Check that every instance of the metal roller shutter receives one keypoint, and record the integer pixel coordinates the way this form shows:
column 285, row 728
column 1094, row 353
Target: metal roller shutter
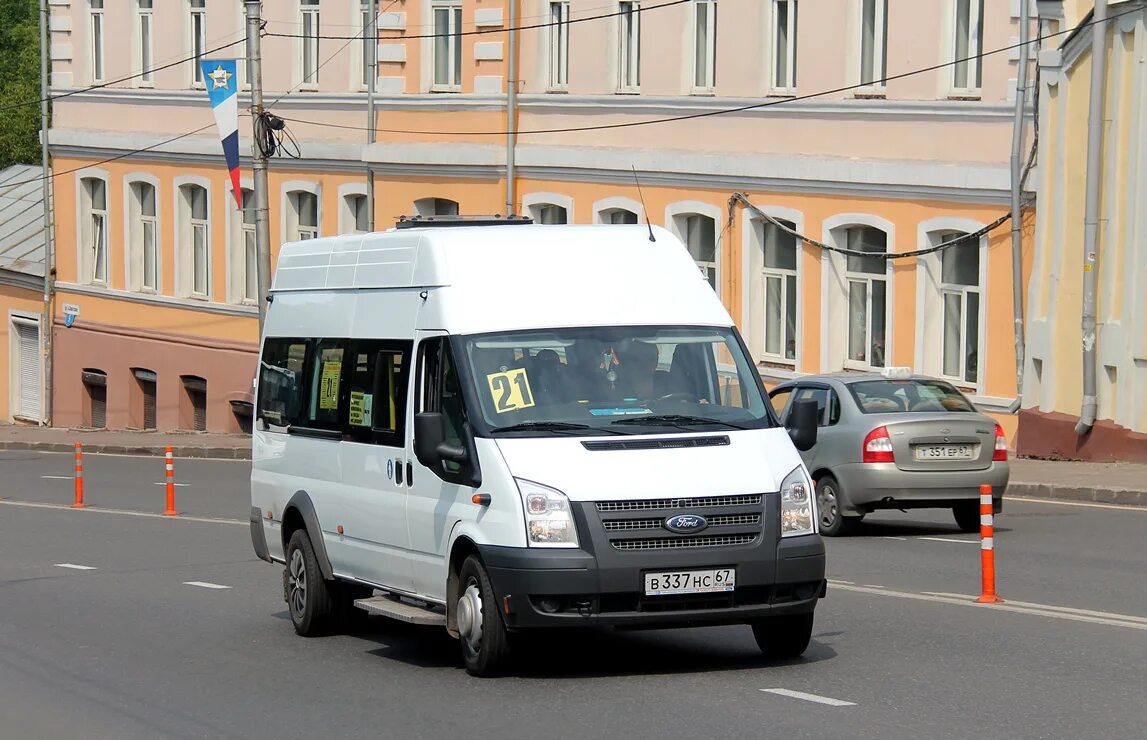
column 147, row 386
column 28, row 351
column 96, row 384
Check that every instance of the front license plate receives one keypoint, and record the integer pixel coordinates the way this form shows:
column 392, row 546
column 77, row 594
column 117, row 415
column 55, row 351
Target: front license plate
column 944, row 452
column 676, row 583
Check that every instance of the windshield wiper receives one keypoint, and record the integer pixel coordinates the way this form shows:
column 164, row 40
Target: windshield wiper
column 552, row 426
column 676, row 420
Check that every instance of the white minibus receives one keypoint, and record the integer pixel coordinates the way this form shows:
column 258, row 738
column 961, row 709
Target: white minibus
column 498, row 427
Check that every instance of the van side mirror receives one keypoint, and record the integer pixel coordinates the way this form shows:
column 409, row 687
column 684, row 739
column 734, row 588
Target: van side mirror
column 802, row 423
column 429, row 441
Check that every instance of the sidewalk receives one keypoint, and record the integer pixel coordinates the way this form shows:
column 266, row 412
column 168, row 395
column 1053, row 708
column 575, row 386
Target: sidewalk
column 1106, row 483
column 216, row 446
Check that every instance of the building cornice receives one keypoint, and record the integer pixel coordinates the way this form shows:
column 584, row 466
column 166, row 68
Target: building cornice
column 186, row 304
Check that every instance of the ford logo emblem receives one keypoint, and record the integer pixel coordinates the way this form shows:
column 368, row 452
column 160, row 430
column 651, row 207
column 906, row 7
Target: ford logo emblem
column 686, row 523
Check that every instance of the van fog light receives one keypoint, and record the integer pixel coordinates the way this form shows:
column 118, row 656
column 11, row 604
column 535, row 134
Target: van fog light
column 798, row 516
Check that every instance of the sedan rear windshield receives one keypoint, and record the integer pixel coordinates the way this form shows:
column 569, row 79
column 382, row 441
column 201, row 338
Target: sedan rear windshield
column 904, row 396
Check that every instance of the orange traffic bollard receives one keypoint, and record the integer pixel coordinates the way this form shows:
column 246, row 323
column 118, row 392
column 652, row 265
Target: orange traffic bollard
column 987, row 549
column 170, row 511
column 79, row 503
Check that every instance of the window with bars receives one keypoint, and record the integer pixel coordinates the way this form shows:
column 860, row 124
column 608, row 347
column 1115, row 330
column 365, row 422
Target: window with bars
column 144, row 27
column 198, row 30
column 866, row 280
column 704, row 44
column 96, row 38
column 447, row 44
column 94, row 227
column 629, row 47
column 784, row 45
column 873, row 43
column 309, row 41
column 144, row 231
column 968, row 46
column 960, row 297
column 779, row 285
column 559, row 44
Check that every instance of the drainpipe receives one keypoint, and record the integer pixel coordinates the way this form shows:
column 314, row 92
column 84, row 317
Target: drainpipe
column 49, row 245
column 511, row 103
column 1091, row 210
column 1017, row 214
column 370, row 35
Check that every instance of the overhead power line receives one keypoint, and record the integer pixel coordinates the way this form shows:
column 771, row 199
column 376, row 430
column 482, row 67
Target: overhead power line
column 487, row 31
column 719, row 112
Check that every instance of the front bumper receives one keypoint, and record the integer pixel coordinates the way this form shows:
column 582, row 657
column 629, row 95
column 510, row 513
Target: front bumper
column 868, row 486
column 567, row 588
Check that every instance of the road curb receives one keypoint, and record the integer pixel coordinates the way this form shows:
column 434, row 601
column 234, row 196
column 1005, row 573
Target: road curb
column 185, row 452
column 1116, row 496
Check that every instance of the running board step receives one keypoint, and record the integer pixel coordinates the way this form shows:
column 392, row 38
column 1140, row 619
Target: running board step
column 385, row 606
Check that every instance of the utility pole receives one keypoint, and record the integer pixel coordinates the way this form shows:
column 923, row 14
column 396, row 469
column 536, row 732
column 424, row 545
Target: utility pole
column 511, row 107
column 49, row 245
column 1017, row 166
column 370, row 36
column 259, row 156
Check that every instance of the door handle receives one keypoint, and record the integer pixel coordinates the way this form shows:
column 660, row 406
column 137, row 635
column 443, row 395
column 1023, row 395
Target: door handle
column 409, row 473
column 398, row 471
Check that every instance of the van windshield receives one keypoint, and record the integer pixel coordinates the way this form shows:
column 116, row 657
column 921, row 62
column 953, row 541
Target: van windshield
column 614, row 380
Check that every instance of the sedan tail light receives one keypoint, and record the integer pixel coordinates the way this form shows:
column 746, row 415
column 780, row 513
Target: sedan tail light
column 878, row 447
column 1001, row 451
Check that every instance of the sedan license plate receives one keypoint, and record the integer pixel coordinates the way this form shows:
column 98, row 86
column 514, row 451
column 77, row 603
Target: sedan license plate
column 676, row 583
column 944, row 452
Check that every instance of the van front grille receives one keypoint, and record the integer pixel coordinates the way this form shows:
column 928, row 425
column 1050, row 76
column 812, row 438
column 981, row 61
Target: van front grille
column 723, row 520
column 680, row 543
column 679, row 503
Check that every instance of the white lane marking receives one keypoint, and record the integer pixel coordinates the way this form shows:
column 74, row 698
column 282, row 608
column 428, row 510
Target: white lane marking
column 949, row 539
column 158, row 456
column 1084, row 504
column 1112, row 620
column 888, row 537
column 73, row 566
column 869, row 585
column 1049, row 607
column 810, row 697
column 204, row 584
column 124, row 512
column 57, row 477
column 164, row 483
column 834, row 581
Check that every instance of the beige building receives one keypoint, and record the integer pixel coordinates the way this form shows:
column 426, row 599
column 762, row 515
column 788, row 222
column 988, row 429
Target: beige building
column 782, row 100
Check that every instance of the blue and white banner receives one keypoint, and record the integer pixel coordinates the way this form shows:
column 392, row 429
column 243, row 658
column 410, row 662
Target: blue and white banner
column 223, row 88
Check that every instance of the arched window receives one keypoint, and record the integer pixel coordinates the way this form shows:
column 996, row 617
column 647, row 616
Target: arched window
column 195, row 240
column 775, row 288
column 302, row 215
column 143, row 237
column 435, row 207
column 548, row 213
column 866, row 281
column 618, row 216
column 94, row 229
column 700, row 236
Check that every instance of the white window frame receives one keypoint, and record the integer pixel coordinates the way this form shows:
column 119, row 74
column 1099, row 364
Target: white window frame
column 309, row 31
column 186, row 227
column 15, row 384
column 197, row 38
column 974, row 65
column 879, row 45
column 868, row 279
column 676, row 217
column 97, row 32
column 559, row 45
column 783, row 274
column 136, row 243
column 94, row 231
column 289, row 209
column 788, row 84
column 300, row 231
column 753, row 299
column 365, row 57
column 456, row 67
column 429, row 206
column 350, row 202
column 536, row 205
column 145, row 42
column 346, row 220
column 708, row 76
column 606, row 206
column 629, row 46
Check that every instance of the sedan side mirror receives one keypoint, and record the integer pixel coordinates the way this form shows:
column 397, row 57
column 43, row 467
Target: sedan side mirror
column 802, row 423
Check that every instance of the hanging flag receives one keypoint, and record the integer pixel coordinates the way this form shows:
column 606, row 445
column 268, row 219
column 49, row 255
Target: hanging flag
column 223, row 89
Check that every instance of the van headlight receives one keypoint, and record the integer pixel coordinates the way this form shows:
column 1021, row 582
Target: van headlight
column 798, row 507
column 549, row 520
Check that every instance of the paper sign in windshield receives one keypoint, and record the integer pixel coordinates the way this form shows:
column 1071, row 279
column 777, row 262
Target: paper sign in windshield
column 510, row 390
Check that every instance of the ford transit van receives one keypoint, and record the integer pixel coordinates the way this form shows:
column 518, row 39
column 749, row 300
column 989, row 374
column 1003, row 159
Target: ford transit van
column 497, row 427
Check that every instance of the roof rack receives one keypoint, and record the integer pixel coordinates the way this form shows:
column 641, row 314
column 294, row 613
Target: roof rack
column 413, row 222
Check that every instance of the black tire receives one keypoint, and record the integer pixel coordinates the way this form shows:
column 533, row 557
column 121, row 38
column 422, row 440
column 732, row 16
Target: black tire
column 346, row 616
column 785, row 637
column 967, row 516
column 308, row 595
column 489, row 654
column 832, row 522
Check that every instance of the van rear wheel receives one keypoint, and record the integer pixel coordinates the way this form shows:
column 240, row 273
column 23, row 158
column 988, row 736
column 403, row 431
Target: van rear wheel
column 785, row 637
column 485, row 642
column 308, row 597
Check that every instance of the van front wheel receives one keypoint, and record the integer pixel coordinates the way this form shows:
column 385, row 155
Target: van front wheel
column 485, row 643
column 785, row 637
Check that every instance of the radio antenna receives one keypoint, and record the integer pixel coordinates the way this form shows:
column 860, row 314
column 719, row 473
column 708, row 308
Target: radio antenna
column 643, row 208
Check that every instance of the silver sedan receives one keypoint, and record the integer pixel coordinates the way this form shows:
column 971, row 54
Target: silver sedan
column 894, row 440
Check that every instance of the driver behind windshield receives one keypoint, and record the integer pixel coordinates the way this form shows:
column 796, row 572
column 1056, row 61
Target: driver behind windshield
column 638, row 365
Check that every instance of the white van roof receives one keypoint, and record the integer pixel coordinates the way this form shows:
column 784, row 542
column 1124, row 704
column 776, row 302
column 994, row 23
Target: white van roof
column 516, row 276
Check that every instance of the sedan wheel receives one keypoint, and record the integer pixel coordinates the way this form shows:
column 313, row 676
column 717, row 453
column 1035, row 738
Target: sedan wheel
column 832, row 522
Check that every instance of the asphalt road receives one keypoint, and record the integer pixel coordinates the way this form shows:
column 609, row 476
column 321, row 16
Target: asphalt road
column 140, row 642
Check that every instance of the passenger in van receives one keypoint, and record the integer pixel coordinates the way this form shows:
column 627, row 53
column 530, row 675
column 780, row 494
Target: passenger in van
column 585, row 375
column 546, row 374
column 637, row 370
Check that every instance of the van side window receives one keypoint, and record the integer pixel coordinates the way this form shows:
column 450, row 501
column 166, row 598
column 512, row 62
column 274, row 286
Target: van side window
column 441, row 391
column 281, row 381
column 326, row 391
column 376, row 392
